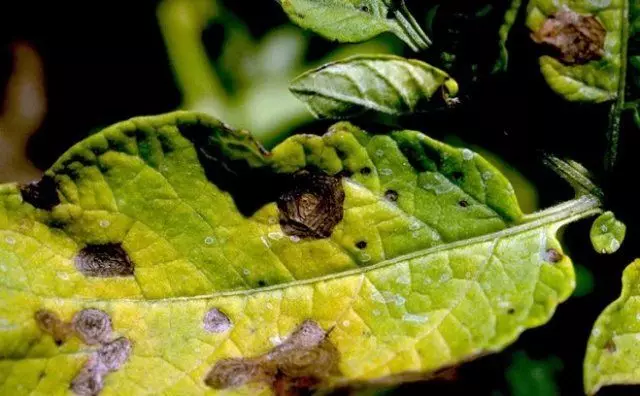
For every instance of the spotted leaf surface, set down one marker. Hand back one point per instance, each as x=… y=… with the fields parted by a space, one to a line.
x=172 y=254
x=585 y=45
x=613 y=350
x=384 y=84
x=357 y=20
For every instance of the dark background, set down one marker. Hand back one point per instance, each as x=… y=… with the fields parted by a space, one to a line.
x=106 y=61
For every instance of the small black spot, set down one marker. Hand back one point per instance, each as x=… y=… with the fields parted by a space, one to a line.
x=365 y=171
x=103 y=261
x=262 y=283
x=364 y=8
x=610 y=346
x=361 y=245
x=344 y=173
x=58 y=341
x=463 y=204
x=42 y=375
x=457 y=176
x=511 y=311
x=391 y=195
x=41 y=194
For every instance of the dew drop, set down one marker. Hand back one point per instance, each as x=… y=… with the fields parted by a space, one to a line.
x=403 y=279
x=276 y=235
x=486 y=176
x=379 y=153
x=10 y=240
x=467 y=275
x=503 y=304
x=63 y=275
x=104 y=223
x=346 y=323
x=269 y=305
x=386 y=172
x=444 y=278
x=596 y=332
x=415 y=234
x=467 y=154
x=275 y=340
x=209 y=240
x=364 y=257
x=246 y=272
x=376 y=312
x=414 y=226
x=294 y=238
x=604 y=228
x=614 y=245
x=272 y=220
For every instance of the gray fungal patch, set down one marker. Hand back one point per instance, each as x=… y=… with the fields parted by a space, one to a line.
x=109 y=358
x=305 y=359
x=552 y=255
x=311 y=205
x=215 y=321
x=92 y=325
x=103 y=261
x=49 y=322
x=41 y=194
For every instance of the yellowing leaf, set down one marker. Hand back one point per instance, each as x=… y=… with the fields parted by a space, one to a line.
x=613 y=350
x=385 y=84
x=357 y=20
x=171 y=254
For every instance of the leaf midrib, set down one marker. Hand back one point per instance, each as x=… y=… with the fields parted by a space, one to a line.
x=561 y=214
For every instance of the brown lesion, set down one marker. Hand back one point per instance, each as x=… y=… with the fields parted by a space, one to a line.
x=302 y=362
x=103 y=261
x=311 y=204
x=41 y=194
x=92 y=326
x=575 y=38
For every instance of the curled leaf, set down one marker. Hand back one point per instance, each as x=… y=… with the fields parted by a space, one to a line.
x=357 y=20
x=607 y=233
x=384 y=84
x=614 y=347
x=442 y=270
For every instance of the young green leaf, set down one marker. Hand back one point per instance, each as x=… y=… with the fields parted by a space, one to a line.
x=509 y=20
x=384 y=83
x=613 y=348
x=607 y=233
x=357 y=20
x=173 y=254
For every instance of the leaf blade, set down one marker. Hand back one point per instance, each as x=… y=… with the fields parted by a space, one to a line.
x=384 y=84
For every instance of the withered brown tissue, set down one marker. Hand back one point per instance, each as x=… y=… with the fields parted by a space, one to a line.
x=575 y=38
x=311 y=205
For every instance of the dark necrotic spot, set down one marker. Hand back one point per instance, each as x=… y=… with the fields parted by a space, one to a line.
x=109 y=260
x=511 y=311
x=232 y=373
x=92 y=325
x=311 y=205
x=361 y=244
x=552 y=256
x=463 y=203
x=610 y=346
x=364 y=8
x=262 y=283
x=365 y=171
x=41 y=194
x=457 y=176
x=115 y=353
x=215 y=321
x=391 y=195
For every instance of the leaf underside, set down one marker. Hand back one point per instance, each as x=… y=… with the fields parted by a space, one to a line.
x=167 y=229
x=613 y=349
x=357 y=20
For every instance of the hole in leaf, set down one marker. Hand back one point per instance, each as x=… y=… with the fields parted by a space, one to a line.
x=463 y=203
x=361 y=244
x=365 y=171
x=391 y=195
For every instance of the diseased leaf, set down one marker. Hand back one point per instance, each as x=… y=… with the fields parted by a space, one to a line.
x=357 y=20
x=164 y=268
x=607 y=233
x=613 y=350
x=587 y=44
x=384 y=83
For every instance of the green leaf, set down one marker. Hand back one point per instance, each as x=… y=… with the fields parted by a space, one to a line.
x=607 y=233
x=383 y=83
x=357 y=20
x=171 y=254
x=613 y=349
x=588 y=77
x=509 y=20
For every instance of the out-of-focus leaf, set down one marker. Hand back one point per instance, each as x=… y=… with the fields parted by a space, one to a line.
x=373 y=83
x=509 y=20
x=171 y=254
x=607 y=233
x=530 y=377
x=613 y=351
x=357 y=20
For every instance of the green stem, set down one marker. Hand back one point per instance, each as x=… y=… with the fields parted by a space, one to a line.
x=575 y=175
x=613 y=134
x=411 y=31
x=182 y=23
